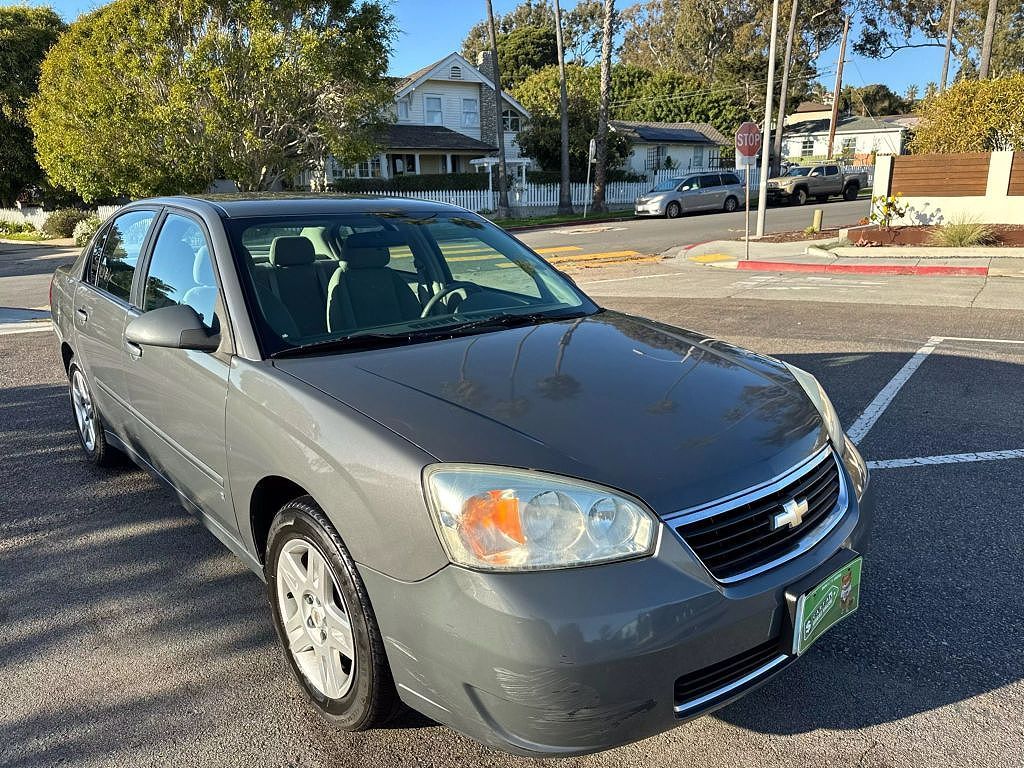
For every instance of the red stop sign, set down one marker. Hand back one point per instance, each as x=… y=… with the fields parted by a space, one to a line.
x=748 y=139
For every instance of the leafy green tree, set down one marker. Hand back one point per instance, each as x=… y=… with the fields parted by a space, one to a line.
x=141 y=98
x=973 y=116
x=540 y=138
x=26 y=34
x=872 y=101
x=523 y=51
x=666 y=96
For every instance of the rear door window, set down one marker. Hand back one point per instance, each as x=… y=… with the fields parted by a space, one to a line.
x=119 y=254
x=709 y=180
x=730 y=178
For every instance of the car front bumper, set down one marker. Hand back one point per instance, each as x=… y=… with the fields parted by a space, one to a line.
x=575 y=661
x=649 y=209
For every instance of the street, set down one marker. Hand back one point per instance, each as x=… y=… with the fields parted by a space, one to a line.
x=132 y=637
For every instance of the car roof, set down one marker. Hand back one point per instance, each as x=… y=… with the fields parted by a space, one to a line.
x=277 y=204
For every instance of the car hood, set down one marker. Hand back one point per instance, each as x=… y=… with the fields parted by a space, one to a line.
x=667 y=415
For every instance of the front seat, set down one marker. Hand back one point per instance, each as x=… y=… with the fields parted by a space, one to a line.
x=299 y=283
x=364 y=292
x=203 y=296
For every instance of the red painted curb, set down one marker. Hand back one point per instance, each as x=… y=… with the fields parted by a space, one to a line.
x=691 y=246
x=863 y=269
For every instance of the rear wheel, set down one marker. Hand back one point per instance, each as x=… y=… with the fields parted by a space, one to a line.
x=673 y=210
x=324 y=620
x=91 y=434
x=800 y=196
x=851 y=191
x=731 y=204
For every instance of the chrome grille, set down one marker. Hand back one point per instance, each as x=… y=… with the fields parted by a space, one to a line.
x=736 y=538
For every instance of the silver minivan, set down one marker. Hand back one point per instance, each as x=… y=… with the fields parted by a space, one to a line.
x=698 y=192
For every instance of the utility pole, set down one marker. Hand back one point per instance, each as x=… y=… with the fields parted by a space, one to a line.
x=986 y=44
x=766 y=148
x=564 y=191
x=601 y=140
x=784 y=94
x=503 y=207
x=949 y=44
x=839 y=87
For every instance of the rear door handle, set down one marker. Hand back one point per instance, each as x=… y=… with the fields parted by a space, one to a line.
x=134 y=350
x=82 y=314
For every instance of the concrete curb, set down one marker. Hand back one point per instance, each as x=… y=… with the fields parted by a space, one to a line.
x=862 y=269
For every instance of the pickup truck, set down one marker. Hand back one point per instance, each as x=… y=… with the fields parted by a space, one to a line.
x=821 y=182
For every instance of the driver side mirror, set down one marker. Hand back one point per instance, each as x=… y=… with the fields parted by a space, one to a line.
x=174 y=327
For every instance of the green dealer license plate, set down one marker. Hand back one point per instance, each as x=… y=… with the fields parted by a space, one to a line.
x=826 y=604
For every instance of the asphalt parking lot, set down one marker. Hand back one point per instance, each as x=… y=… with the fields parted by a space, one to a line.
x=130 y=636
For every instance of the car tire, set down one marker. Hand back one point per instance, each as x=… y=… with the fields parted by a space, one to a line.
x=851 y=191
x=800 y=196
x=731 y=204
x=344 y=674
x=92 y=435
x=673 y=210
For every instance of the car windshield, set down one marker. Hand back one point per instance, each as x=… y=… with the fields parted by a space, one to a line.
x=667 y=185
x=321 y=282
x=798 y=171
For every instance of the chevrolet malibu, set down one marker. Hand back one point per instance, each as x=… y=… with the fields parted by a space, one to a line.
x=468 y=488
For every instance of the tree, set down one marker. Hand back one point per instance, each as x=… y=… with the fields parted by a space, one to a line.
x=530 y=13
x=973 y=116
x=539 y=139
x=523 y=51
x=872 y=101
x=601 y=139
x=139 y=98
x=26 y=34
x=666 y=96
x=584 y=29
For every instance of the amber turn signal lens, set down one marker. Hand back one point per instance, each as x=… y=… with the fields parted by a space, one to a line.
x=491 y=524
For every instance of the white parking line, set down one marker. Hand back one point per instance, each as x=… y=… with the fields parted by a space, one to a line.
x=9 y=329
x=949 y=458
x=884 y=398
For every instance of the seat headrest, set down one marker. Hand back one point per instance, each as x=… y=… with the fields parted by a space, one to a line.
x=291 y=251
x=202 y=268
x=370 y=250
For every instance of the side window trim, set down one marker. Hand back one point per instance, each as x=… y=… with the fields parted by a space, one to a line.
x=98 y=250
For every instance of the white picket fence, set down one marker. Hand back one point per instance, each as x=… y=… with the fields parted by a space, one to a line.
x=37 y=216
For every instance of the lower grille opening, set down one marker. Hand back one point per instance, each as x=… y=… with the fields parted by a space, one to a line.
x=701 y=682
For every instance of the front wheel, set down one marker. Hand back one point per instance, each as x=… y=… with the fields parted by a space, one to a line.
x=673 y=211
x=850 y=192
x=324 y=620
x=731 y=204
x=800 y=196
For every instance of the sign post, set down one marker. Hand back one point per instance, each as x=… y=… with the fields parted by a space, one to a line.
x=591 y=157
x=748 y=143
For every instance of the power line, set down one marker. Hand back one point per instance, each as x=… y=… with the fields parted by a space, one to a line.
x=710 y=91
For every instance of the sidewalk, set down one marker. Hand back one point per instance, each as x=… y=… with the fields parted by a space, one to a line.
x=808 y=256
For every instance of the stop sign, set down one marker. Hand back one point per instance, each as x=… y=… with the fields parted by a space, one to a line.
x=748 y=139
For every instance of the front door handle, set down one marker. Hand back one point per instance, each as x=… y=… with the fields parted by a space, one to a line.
x=82 y=314
x=134 y=350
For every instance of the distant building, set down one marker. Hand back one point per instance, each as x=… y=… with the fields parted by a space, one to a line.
x=656 y=146
x=809 y=110
x=857 y=139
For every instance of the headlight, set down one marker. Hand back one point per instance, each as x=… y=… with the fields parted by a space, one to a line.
x=822 y=403
x=641 y=201
x=498 y=519
x=856 y=467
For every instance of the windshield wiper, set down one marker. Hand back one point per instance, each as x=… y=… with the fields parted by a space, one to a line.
x=351 y=341
x=503 y=320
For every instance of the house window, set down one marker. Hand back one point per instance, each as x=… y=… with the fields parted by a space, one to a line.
x=698 y=157
x=470 y=113
x=403 y=109
x=655 y=157
x=511 y=121
x=807 y=147
x=850 y=146
x=369 y=169
x=432 y=110
x=456 y=72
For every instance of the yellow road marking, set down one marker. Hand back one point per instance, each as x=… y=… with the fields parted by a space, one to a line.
x=594 y=256
x=559 y=249
x=710 y=258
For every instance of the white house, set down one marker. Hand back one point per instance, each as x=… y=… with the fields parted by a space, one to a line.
x=444 y=117
x=655 y=146
x=857 y=139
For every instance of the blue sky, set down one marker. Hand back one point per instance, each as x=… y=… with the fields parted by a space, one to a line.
x=432 y=28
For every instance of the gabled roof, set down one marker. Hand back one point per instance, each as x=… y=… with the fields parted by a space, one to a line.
x=848 y=124
x=406 y=84
x=435 y=137
x=811 y=106
x=669 y=133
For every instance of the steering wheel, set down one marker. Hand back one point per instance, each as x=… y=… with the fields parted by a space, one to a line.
x=452 y=287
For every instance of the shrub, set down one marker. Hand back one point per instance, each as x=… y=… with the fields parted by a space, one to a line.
x=85 y=229
x=963 y=232
x=15 y=227
x=885 y=208
x=61 y=223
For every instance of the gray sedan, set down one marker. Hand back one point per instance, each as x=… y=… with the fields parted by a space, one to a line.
x=469 y=489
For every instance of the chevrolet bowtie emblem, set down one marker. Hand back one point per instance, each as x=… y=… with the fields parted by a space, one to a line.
x=792 y=514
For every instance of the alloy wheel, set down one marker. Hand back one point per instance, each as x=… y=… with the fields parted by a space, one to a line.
x=85 y=415
x=315 y=618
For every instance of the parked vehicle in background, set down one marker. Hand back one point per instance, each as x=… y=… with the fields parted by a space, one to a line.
x=468 y=488
x=697 y=192
x=820 y=182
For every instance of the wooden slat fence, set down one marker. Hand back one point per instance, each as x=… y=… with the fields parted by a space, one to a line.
x=959 y=175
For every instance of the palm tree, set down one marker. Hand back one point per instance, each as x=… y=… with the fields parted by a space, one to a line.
x=601 y=140
x=564 y=191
